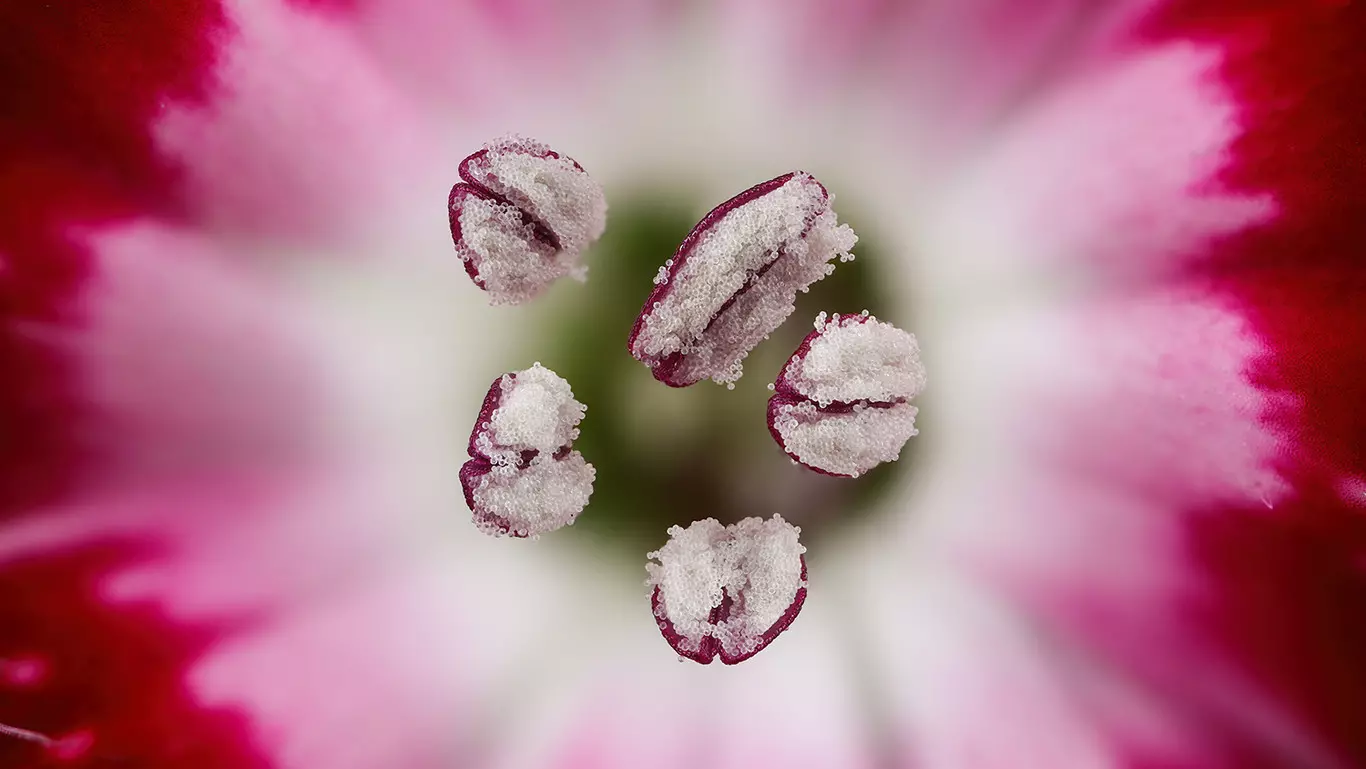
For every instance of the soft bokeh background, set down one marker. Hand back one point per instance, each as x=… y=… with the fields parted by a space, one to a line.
x=239 y=365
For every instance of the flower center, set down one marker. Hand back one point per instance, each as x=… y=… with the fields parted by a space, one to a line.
x=667 y=456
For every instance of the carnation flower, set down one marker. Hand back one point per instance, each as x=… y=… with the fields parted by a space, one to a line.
x=240 y=357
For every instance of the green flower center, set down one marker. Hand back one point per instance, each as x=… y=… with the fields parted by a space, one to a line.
x=667 y=456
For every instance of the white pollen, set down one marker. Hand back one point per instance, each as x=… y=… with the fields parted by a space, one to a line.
x=523 y=480
x=858 y=357
x=847 y=444
x=546 y=495
x=514 y=264
x=537 y=412
x=842 y=401
x=756 y=564
x=794 y=225
x=553 y=190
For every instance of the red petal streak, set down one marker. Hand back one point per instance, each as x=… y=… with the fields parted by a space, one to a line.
x=112 y=690
x=82 y=82
x=474 y=170
x=1291 y=600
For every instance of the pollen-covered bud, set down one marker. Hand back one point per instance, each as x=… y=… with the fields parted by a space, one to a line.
x=735 y=279
x=727 y=590
x=841 y=405
x=524 y=480
x=522 y=217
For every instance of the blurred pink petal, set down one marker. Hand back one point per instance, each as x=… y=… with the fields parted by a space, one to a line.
x=1112 y=174
x=116 y=672
x=1130 y=408
x=1139 y=539
x=1221 y=563
x=76 y=150
x=193 y=364
x=302 y=134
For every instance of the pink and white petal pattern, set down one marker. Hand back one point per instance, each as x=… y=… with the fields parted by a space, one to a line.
x=328 y=633
x=145 y=354
x=1139 y=231
x=304 y=138
x=1034 y=204
x=631 y=706
x=1126 y=407
x=995 y=689
x=1295 y=280
x=1196 y=433
x=84 y=83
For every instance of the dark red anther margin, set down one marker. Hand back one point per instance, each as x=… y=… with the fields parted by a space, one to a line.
x=785 y=393
x=667 y=366
x=709 y=648
x=481 y=464
x=473 y=186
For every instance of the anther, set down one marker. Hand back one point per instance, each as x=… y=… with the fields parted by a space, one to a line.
x=842 y=403
x=735 y=279
x=522 y=217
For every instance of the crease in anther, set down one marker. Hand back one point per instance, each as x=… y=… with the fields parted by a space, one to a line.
x=735 y=279
x=523 y=478
x=842 y=404
x=521 y=217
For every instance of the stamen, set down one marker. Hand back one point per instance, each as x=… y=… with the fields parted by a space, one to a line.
x=735 y=279
x=842 y=403
x=727 y=590
x=522 y=217
x=523 y=479
x=26 y=735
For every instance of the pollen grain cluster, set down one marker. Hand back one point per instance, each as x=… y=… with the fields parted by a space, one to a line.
x=841 y=405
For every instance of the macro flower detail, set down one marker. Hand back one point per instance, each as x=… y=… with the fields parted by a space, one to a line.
x=727 y=591
x=841 y=405
x=241 y=359
x=735 y=278
x=522 y=218
x=524 y=479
